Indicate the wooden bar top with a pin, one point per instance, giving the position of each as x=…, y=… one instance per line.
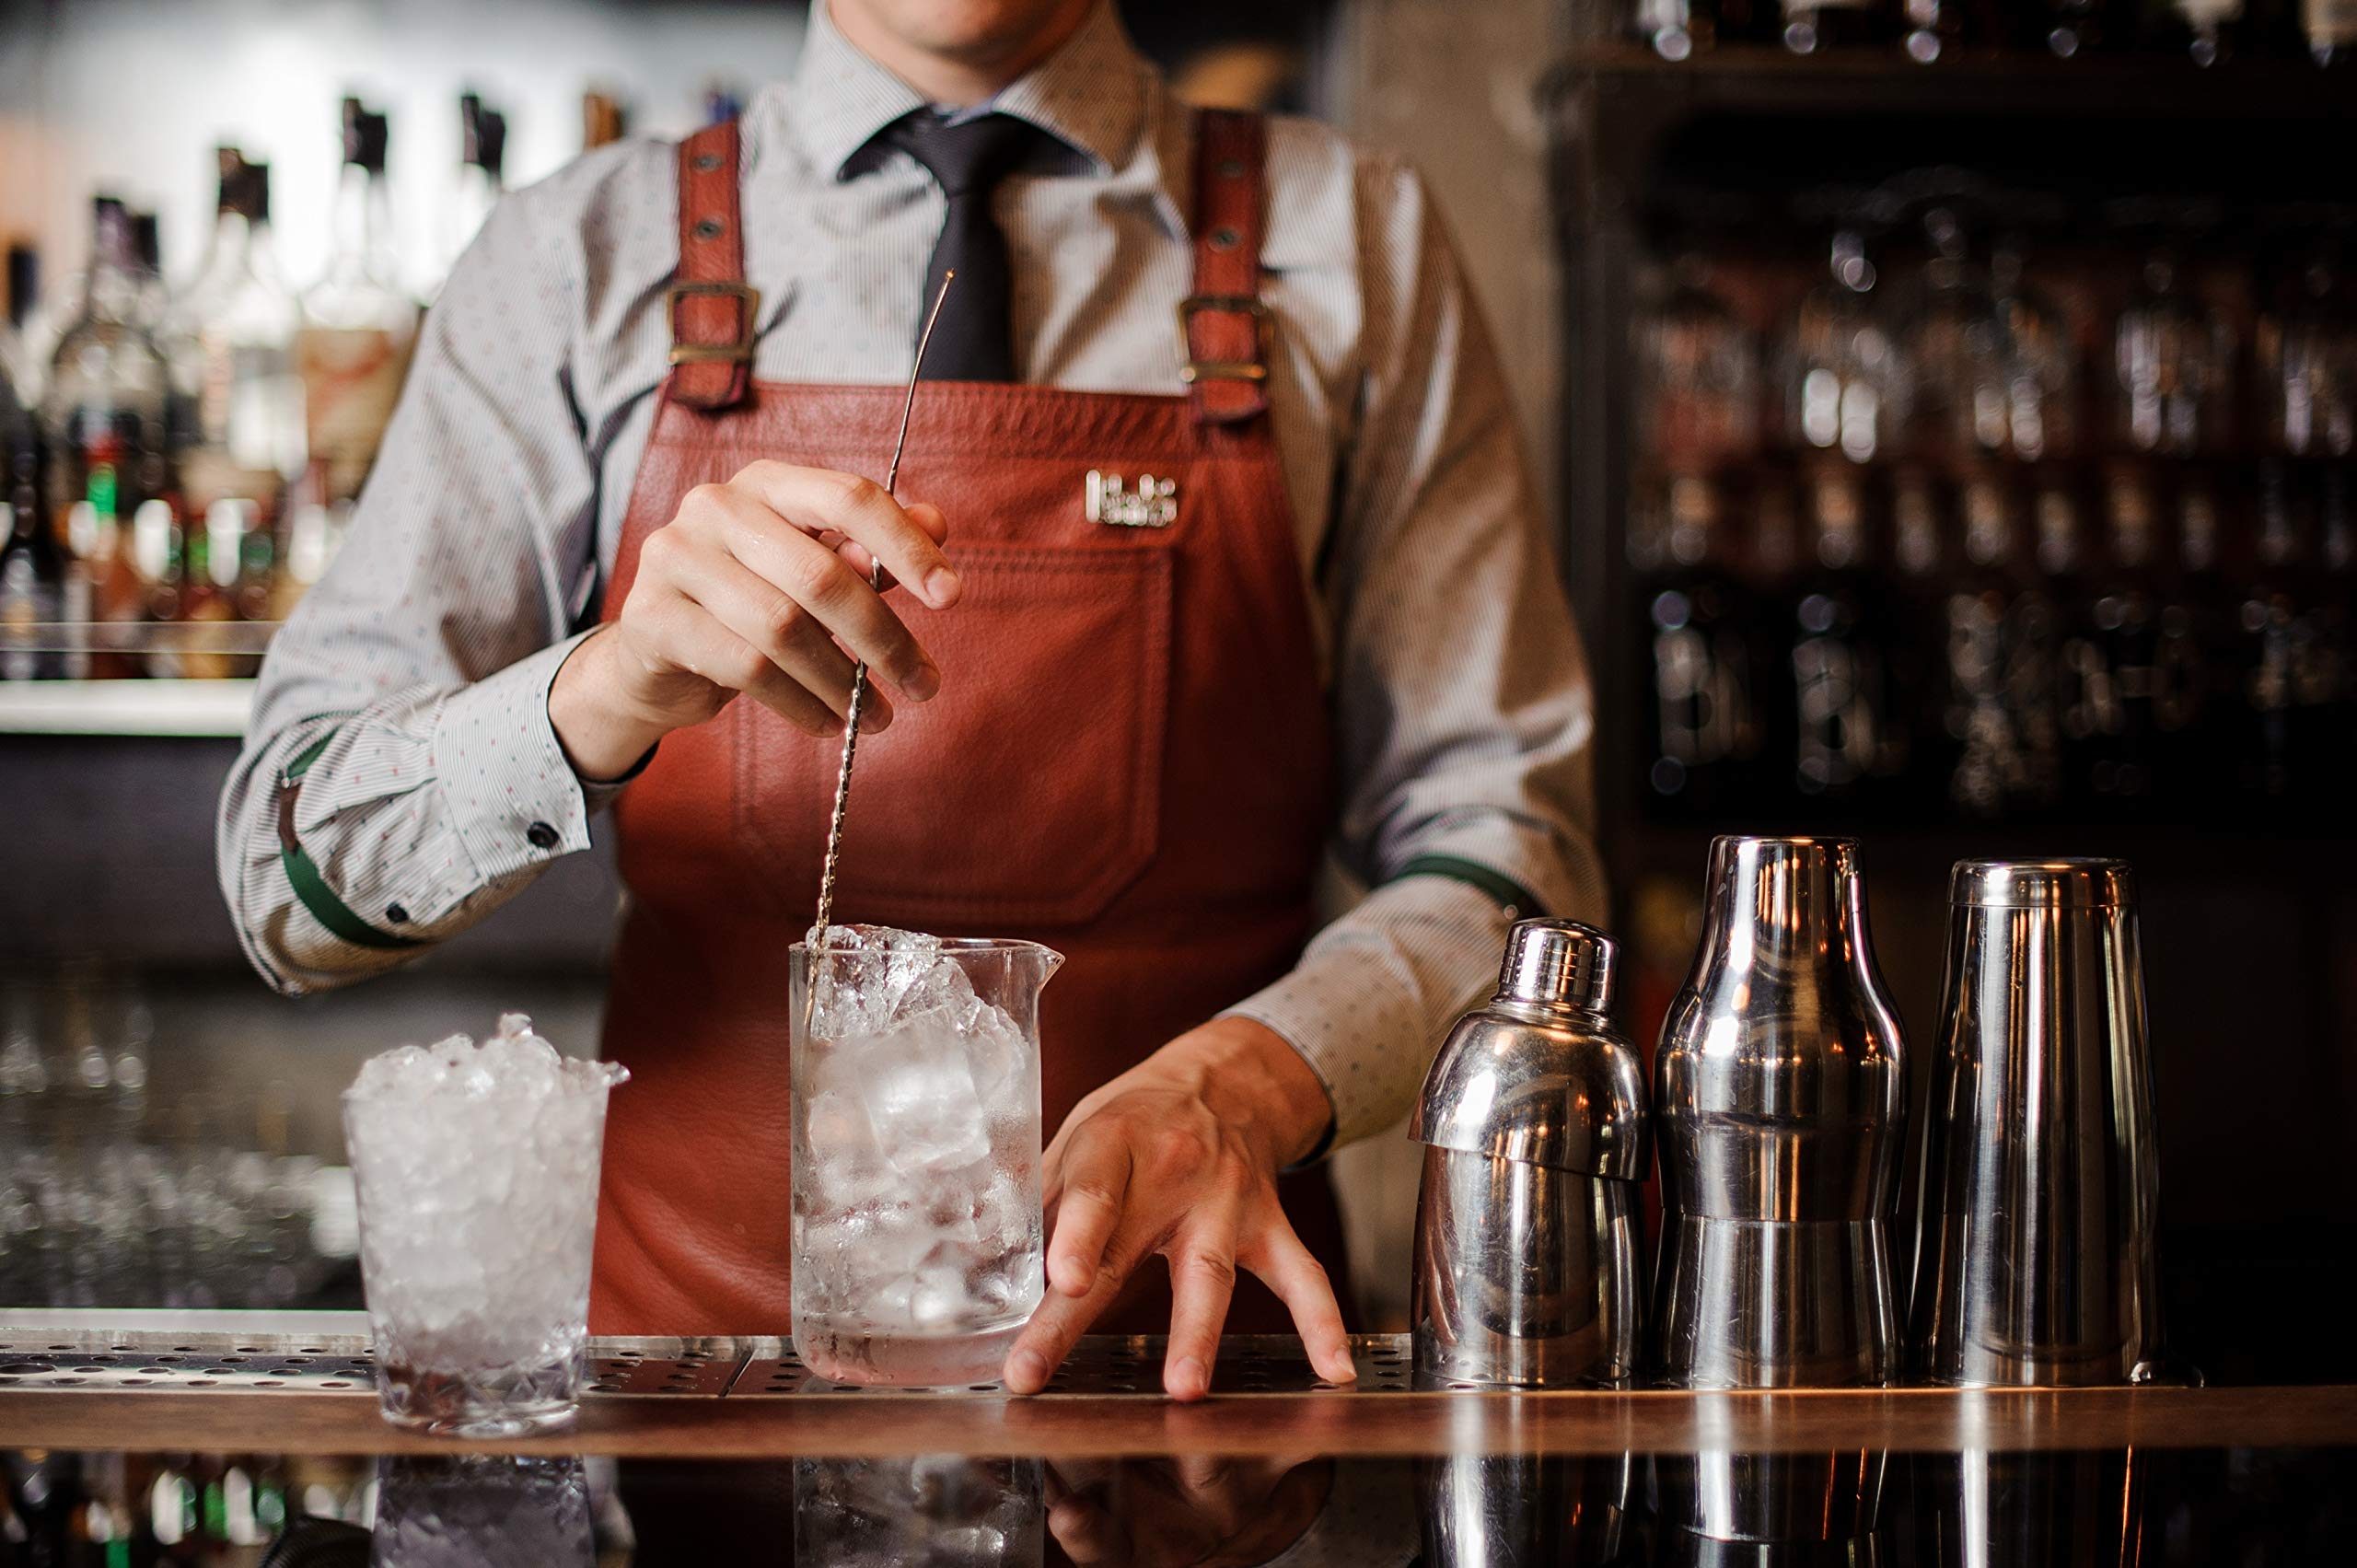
x=1336, y=1422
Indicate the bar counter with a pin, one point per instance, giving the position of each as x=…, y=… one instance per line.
x=724, y=1449
x=76, y=1385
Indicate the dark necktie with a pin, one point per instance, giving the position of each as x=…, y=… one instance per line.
x=974, y=340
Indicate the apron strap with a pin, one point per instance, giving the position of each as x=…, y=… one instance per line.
x=710, y=309
x=1222, y=326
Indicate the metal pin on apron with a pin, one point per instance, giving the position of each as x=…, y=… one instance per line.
x=818, y=937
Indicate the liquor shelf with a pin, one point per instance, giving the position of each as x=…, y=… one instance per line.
x=161, y=708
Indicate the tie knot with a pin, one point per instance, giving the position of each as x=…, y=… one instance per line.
x=966, y=155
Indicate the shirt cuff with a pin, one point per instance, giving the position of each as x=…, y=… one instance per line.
x=1367, y=1005
x=505, y=781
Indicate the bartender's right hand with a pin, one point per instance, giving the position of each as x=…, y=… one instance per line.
x=759, y=587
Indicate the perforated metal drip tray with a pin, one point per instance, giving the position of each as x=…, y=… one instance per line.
x=712, y=1368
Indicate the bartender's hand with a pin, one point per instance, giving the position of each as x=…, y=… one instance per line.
x=1178, y=1157
x=757, y=585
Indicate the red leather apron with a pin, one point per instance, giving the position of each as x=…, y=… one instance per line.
x=1128, y=759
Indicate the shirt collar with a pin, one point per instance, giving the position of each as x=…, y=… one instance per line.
x=1090, y=94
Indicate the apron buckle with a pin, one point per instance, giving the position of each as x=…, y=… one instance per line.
x=736, y=352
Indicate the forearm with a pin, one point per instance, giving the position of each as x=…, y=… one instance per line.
x=410, y=820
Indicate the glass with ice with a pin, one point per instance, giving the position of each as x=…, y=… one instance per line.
x=477, y=1172
x=916, y=1229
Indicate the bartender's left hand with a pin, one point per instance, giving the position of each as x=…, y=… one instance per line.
x=1178, y=1157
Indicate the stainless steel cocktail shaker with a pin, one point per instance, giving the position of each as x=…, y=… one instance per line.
x=2035, y=1261
x=1779, y=1109
x=1533, y=1119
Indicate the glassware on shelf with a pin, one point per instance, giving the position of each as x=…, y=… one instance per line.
x=1847, y=384
x=1671, y=29
x=2330, y=28
x=1697, y=375
x=1934, y=29
x=2206, y=31
x=1814, y=25
x=359, y=323
x=2173, y=364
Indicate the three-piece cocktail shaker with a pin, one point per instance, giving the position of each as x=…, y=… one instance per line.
x=1778, y=1104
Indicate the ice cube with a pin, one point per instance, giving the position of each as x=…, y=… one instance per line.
x=937, y=1296
x=920, y=1098
x=997, y=1055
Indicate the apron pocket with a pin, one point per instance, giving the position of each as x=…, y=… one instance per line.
x=1027, y=794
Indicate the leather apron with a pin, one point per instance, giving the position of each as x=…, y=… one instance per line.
x=1128, y=759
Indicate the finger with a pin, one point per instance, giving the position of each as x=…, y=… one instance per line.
x=859, y=509
x=1202, y=1281
x=1277, y=1255
x=1088, y=1207
x=1085, y=1530
x=1059, y=1320
x=761, y=614
x=685, y=635
x=823, y=585
x=924, y=514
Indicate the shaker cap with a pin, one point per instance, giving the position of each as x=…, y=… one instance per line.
x=2069, y=882
x=1558, y=963
x=1538, y=1077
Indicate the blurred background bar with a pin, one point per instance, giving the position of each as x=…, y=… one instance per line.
x=1950, y=408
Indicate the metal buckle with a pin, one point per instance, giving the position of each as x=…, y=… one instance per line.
x=737, y=353
x=1191, y=369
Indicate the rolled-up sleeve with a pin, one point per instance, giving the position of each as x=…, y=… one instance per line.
x=402, y=711
x=1462, y=704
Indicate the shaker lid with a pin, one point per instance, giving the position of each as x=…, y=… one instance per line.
x=1538, y=1077
x=1558, y=963
x=2069, y=882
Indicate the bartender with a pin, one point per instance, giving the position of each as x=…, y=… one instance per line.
x=1213, y=561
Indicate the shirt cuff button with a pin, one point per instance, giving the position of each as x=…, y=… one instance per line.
x=541, y=835
x=396, y=915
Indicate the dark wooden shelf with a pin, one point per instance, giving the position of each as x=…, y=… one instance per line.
x=1766, y=79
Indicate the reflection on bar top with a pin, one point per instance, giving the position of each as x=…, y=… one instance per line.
x=424, y=1511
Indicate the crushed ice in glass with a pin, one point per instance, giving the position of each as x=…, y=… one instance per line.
x=513, y=1062
x=476, y=1167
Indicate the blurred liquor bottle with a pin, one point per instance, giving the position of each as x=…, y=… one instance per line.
x=1918, y=583
x=1708, y=661
x=2307, y=359
x=604, y=120
x=1846, y=385
x=235, y=325
x=483, y=161
x=1847, y=743
x=2000, y=660
x=2272, y=661
x=2111, y=664
x=106, y=419
x=359, y=324
x=2174, y=361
